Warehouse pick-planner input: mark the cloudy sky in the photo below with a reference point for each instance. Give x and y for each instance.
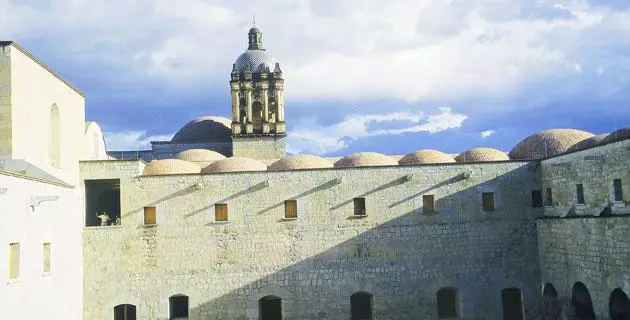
(361, 75)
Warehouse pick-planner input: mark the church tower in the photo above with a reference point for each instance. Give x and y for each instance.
(257, 87)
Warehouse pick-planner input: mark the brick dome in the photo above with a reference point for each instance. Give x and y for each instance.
(481, 154)
(200, 157)
(548, 143)
(301, 162)
(235, 164)
(205, 129)
(365, 159)
(170, 166)
(426, 156)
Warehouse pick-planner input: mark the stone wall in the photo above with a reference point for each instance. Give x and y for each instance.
(315, 262)
(261, 147)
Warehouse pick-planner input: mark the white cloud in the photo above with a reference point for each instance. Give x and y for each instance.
(486, 134)
(316, 139)
(132, 140)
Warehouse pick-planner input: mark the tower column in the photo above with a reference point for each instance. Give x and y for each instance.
(235, 102)
(249, 126)
(265, 102)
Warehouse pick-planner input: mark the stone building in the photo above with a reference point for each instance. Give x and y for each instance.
(222, 225)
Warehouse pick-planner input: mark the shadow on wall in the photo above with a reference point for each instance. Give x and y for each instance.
(391, 271)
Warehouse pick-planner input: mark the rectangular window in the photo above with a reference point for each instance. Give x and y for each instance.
(359, 206)
(46, 257)
(549, 198)
(618, 190)
(221, 212)
(149, 216)
(290, 209)
(14, 261)
(537, 198)
(580, 193)
(428, 203)
(488, 201)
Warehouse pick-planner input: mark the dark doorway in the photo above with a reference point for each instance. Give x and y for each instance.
(551, 303)
(581, 302)
(270, 308)
(361, 304)
(125, 312)
(447, 303)
(619, 305)
(178, 307)
(102, 198)
(512, 304)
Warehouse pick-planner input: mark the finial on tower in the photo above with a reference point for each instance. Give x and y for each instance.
(254, 19)
(255, 38)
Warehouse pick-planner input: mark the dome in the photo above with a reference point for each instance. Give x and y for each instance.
(587, 143)
(255, 61)
(200, 157)
(548, 143)
(170, 166)
(365, 159)
(205, 129)
(620, 134)
(426, 156)
(301, 162)
(481, 154)
(234, 164)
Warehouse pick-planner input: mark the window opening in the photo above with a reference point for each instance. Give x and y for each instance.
(549, 198)
(290, 209)
(618, 305)
(447, 303)
(428, 204)
(178, 307)
(537, 198)
(581, 302)
(14, 261)
(361, 304)
(488, 201)
(270, 308)
(580, 193)
(221, 212)
(618, 190)
(359, 207)
(512, 304)
(125, 312)
(102, 202)
(149, 216)
(46, 248)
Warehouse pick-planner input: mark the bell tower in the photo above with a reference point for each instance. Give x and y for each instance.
(257, 90)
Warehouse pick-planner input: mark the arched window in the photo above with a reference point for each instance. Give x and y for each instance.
(581, 302)
(551, 304)
(447, 303)
(55, 137)
(512, 304)
(178, 307)
(125, 312)
(270, 308)
(619, 305)
(361, 304)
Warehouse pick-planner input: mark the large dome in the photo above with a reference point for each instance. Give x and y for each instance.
(548, 143)
(620, 134)
(481, 154)
(255, 61)
(205, 129)
(170, 166)
(365, 159)
(301, 162)
(587, 143)
(426, 156)
(235, 164)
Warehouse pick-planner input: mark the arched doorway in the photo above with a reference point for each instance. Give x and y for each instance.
(619, 305)
(447, 303)
(361, 305)
(581, 302)
(551, 303)
(511, 300)
(270, 308)
(178, 307)
(125, 312)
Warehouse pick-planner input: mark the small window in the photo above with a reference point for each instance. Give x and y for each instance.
(512, 304)
(178, 307)
(549, 198)
(359, 206)
(46, 257)
(537, 198)
(618, 190)
(149, 215)
(125, 312)
(221, 212)
(14, 261)
(361, 304)
(488, 201)
(290, 209)
(580, 193)
(270, 308)
(447, 303)
(428, 203)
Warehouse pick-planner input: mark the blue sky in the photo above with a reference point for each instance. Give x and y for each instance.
(364, 75)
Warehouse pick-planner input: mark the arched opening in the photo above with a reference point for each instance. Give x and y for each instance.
(125, 312)
(447, 303)
(178, 307)
(270, 308)
(581, 302)
(361, 305)
(257, 116)
(55, 137)
(619, 305)
(511, 299)
(551, 304)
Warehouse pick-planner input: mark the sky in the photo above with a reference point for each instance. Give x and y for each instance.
(390, 76)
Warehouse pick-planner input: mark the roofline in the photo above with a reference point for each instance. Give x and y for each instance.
(47, 68)
(20, 176)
